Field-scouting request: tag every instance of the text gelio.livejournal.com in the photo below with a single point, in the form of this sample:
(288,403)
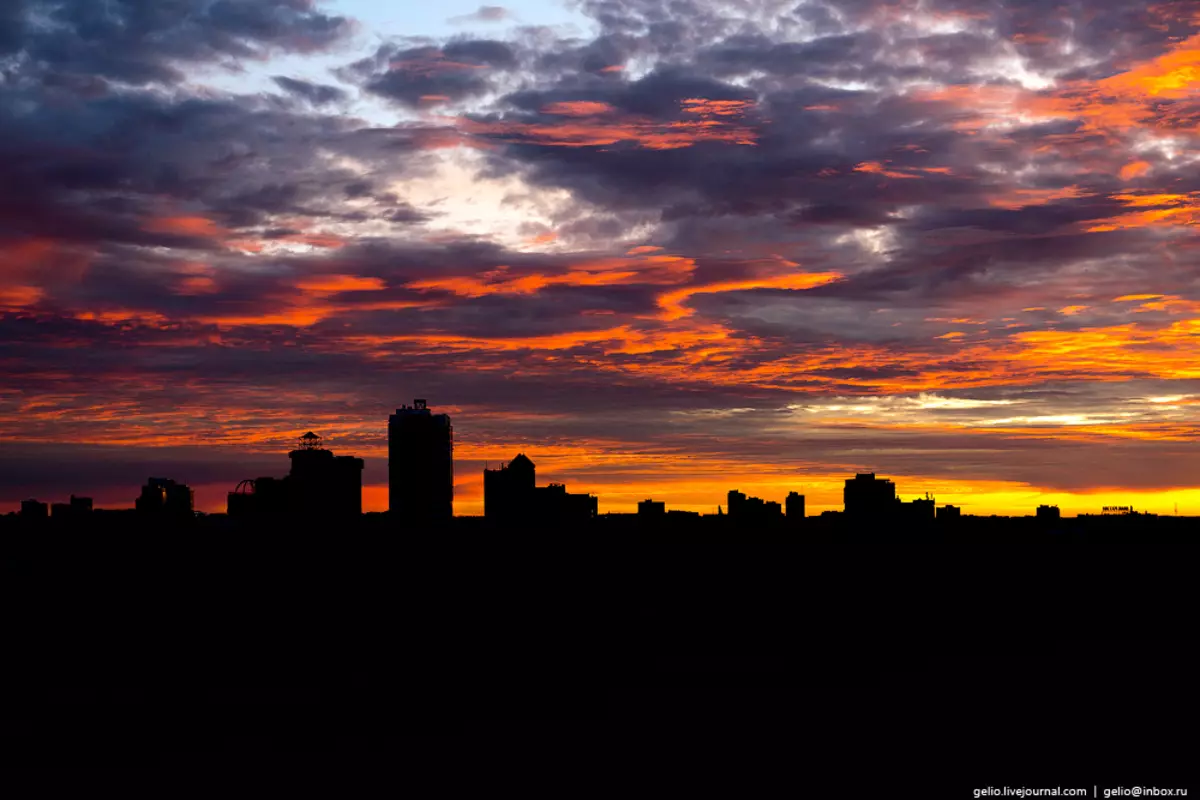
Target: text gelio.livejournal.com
(1093,792)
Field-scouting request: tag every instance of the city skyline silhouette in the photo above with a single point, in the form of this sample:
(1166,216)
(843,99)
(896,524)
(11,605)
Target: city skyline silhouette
(323,486)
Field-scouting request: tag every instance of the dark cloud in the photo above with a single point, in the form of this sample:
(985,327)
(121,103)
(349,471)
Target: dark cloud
(484,14)
(12,25)
(315,93)
(427,75)
(146,41)
(604,56)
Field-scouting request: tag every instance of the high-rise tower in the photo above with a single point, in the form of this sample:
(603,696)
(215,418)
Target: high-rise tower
(420,466)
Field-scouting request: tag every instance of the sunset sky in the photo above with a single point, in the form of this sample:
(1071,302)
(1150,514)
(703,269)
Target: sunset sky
(666,248)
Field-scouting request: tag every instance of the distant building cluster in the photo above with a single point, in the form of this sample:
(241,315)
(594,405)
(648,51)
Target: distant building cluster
(420,445)
(869,499)
(753,510)
(78,508)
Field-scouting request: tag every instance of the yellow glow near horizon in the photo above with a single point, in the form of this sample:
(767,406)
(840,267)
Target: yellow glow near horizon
(824,493)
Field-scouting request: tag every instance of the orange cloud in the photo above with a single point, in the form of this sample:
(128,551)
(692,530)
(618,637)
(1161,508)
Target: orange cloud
(577,131)
(309,302)
(1134,169)
(878,169)
(1015,199)
(1174,74)
(336,284)
(578,108)
(716,108)
(647,269)
(31,267)
(672,303)
(25,257)
(200,227)
(124,317)
(17,297)
(196,284)
(1163,209)
(433,63)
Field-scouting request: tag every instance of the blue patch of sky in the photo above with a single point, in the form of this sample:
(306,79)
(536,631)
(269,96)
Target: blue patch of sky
(446,17)
(380,21)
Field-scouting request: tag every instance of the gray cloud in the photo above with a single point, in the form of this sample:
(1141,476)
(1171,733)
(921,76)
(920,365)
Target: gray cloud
(317,94)
(145,41)
(484,14)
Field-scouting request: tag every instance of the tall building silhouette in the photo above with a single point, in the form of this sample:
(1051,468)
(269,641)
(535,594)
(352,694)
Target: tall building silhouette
(735,502)
(794,507)
(420,465)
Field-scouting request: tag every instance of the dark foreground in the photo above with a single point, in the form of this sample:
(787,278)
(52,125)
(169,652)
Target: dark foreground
(849,666)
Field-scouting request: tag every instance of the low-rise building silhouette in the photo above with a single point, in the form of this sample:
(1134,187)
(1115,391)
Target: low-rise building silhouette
(1048,513)
(651,508)
(77,510)
(554,505)
(949,513)
(163,496)
(869,498)
(243,501)
(320,485)
(745,510)
(918,513)
(508,491)
(33,509)
(511,497)
(327,485)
